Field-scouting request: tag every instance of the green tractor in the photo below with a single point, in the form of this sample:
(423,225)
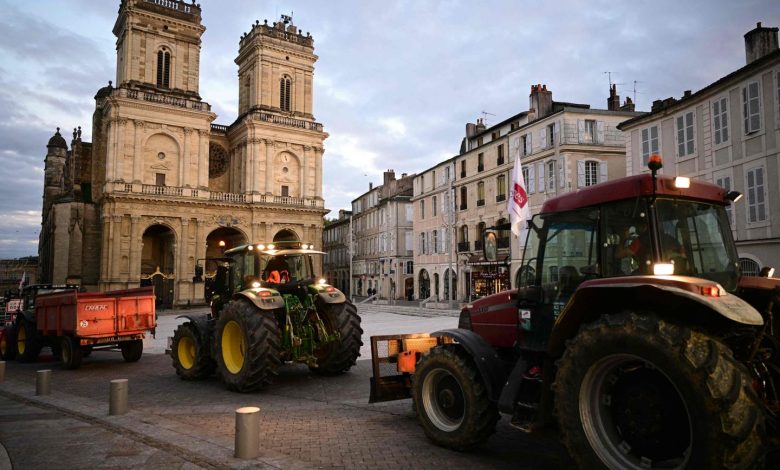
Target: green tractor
(267,308)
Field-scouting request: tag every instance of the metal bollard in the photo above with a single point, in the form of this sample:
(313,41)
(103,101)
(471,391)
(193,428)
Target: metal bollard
(2,371)
(117,401)
(247,432)
(42,382)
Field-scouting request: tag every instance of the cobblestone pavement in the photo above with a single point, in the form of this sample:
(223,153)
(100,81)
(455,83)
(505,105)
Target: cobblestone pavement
(307,421)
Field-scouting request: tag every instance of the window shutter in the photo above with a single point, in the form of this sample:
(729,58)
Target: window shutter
(600,132)
(580,174)
(543,138)
(540,167)
(580,130)
(528,144)
(561,172)
(531,179)
(603,172)
(557,132)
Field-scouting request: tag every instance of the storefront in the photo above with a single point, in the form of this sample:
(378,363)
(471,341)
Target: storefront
(488,277)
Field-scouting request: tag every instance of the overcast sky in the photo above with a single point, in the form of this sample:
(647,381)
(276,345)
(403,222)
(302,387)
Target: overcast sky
(395,83)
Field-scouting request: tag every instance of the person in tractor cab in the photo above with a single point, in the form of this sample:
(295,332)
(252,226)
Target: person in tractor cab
(276,271)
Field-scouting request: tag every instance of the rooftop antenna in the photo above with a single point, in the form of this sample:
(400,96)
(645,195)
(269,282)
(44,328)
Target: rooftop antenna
(609,78)
(485,114)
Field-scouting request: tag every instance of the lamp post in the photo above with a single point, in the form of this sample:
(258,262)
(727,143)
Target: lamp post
(351,254)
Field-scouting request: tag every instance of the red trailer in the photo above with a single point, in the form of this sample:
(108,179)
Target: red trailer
(74,323)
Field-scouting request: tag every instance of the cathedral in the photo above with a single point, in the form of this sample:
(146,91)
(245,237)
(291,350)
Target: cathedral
(162,190)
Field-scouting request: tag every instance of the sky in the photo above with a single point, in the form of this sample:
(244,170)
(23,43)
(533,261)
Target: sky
(395,83)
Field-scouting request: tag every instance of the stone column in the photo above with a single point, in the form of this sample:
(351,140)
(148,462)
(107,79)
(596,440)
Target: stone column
(255,153)
(203,159)
(138,152)
(184,161)
(119,155)
(104,252)
(110,149)
(262,166)
(305,191)
(136,247)
(198,289)
(317,172)
(269,166)
(249,165)
(116,247)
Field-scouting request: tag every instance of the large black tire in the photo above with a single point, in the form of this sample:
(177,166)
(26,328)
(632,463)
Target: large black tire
(132,350)
(633,390)
(248,346)
(8,344)
(190,353)
(451,400)
(70,353)
(28,342)
(339,356)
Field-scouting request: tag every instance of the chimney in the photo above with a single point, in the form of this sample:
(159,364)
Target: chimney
(613,102)
(540,100)
(760,42)
(480,125)
(389,176)
(628,105)
(370,186)
(471,130)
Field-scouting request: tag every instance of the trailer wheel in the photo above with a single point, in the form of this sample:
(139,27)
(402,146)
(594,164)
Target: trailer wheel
(71,353)
(190,353)
(634,391)
(28,343)
(7,344)
(132,350)
(339,356)
(451,400)
(248,346)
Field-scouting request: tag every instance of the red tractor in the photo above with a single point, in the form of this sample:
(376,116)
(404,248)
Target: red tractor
(631,326)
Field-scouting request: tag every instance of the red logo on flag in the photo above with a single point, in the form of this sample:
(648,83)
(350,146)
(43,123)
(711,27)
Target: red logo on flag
(521,198)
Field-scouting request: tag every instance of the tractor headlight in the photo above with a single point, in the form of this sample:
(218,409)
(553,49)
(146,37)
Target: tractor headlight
(682,182)
(663,269)
(255,285)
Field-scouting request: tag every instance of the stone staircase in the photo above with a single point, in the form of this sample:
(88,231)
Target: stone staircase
(369,309)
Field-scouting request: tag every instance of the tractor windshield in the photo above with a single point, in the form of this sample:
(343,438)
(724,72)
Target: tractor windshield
(258,266)
(696,237)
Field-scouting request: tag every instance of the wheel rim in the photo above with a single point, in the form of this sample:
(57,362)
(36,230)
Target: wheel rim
(21,340)
(633,415)
(3,345)
(186,352)
(233,347)
(443,400)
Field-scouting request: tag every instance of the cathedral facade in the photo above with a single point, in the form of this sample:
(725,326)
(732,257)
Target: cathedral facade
(161,191)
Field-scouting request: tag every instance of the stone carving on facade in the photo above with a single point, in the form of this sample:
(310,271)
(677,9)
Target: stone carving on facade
(228,220)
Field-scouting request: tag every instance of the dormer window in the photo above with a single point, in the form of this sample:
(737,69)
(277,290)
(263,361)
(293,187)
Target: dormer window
(285,91)
(163,68)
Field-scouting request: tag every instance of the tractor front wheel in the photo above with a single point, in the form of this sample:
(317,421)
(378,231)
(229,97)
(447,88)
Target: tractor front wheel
(248,346)
(132,350)
(28,343)
(190,353)
(634,391)
(339,356)
(451,400)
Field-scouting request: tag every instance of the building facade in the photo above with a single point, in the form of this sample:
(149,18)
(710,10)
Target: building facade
(727,133)
(161,188)
(336,236)
(562,147)
(382,249)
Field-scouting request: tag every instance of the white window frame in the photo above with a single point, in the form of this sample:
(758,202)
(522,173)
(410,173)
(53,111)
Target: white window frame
(433,206)
(726,181)
(650,148)
(752,196)
(747,109)
(721,134)
(685,136)
(551,175)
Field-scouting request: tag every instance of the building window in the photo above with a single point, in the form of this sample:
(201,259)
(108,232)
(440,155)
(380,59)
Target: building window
(649,143)
(500,159)
(422,209)
(720,120)
(481,193)
(749,267)
(685,145)
(435,242)
(550,133)
(479,141)
(526,179)
(285,91)
(756,196)
(285,191)
(433,206)
(410,267)
(501,188)
(527,144)
(159,179)
(725,183)
(551,175)
(495,135)
(591,173)
(463,168)
(463,198)
(163,68)
(433,179)
(481,162)
(751,107)
(587,131)
(446,173)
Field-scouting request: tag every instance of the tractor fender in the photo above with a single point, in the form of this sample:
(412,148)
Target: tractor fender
(203,327)
(335,297)
(677,299)
(490,367)
(264,299)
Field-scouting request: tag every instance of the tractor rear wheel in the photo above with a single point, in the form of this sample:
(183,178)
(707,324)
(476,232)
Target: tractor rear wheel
(8,344)
(451,400)
(248,346)
(132,350)
(190,353)
(339,356)
(634,391)
(71,353)
(28,343)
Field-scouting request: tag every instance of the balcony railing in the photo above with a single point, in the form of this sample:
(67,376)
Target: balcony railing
(502,242)
(500,197)
(500,161)
(176,192)
(478,245)
(480,167)
(463,246)
(463,206)
(161,98)
(480,202)
(285,121)
(219,129)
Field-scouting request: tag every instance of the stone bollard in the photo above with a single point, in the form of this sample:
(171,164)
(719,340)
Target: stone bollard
(117,401)
(42,378)
(247,432)
(2,371)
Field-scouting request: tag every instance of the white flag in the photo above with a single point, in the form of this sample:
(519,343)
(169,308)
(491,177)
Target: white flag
(21,281)
(517,205)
